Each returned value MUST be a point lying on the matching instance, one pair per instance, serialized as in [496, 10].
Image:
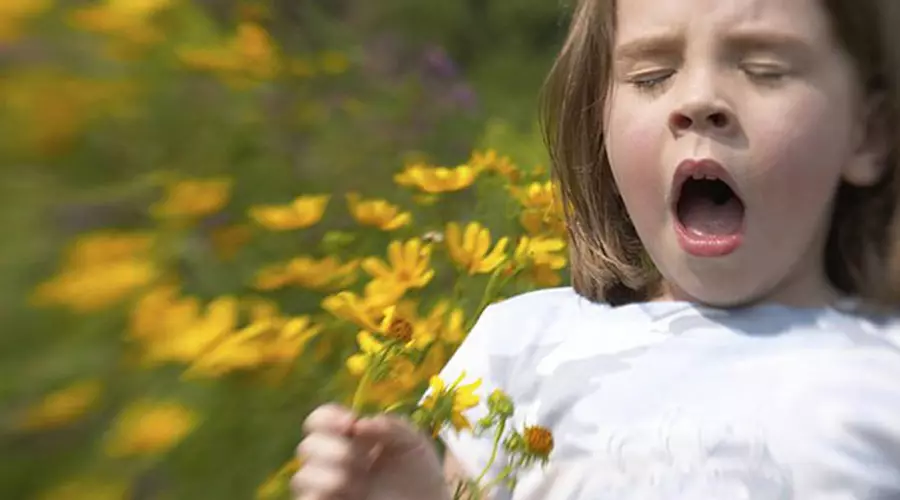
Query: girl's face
[729, 126]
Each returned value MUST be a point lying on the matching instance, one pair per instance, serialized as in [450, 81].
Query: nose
[702, 111]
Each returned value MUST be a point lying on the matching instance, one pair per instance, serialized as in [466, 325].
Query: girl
[730, 168]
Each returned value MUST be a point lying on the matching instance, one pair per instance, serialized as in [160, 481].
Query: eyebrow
[777, 41]
[662, 44]
[667, 44]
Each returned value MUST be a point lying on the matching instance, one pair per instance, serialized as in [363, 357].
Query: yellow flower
[91, 289]
[263, 342]
[89, 488]
[490, 161]
[404, 327]
[147, 428]
[369, 349]
[127, 19]
[471, 250]
[63, 406]
[99, 270]
[218, 321]
[366, 311]
[194, 198]
[377, 213]
[13, 13]
[160, 312]
[538, 441]
[303, 212]
[437, 179]
[541, 257]
[307, 272]
[409, 264]
[461, 399]
[249, 54]
[398, 383]
[101, 247]
[542, 208]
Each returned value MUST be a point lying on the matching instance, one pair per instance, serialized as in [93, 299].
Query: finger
[312, 481]
[387, 432]
[329, 419]
[335, 451]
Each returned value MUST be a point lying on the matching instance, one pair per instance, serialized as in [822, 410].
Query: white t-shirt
[674, 401]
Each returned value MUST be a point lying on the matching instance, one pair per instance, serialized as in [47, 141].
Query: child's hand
[380, 458]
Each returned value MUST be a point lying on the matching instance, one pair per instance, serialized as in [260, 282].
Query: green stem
[497, 438]
[360, 390]
[489, 291]
[497, 480]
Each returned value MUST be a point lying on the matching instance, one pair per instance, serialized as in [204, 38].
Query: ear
[872, 147]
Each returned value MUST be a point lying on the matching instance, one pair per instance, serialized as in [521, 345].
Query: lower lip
[707, 246]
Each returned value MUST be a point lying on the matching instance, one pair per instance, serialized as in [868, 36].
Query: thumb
[388, 432]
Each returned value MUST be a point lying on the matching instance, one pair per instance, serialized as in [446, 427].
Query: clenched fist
[379, 458]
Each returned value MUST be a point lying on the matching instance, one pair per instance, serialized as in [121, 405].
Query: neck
[802, 290]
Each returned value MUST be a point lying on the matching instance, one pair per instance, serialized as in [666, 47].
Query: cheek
[798, 154]
[633, 145]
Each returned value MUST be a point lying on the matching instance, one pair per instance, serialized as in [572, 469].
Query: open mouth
[710, 214]
[708, 207]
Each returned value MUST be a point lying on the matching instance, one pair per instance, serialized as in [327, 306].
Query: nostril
[718, 120]
[681, 122]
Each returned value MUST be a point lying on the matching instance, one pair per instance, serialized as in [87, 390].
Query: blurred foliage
[206, 201]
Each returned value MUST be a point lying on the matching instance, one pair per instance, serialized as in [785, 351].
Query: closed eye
[769, 73]
[650, 79]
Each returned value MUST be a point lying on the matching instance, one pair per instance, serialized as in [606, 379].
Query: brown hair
[609, 262]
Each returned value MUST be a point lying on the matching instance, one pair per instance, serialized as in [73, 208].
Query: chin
[716, 287]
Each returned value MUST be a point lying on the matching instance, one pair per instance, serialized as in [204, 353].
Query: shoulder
[539, 315]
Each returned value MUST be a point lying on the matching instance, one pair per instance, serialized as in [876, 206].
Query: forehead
[638, 18]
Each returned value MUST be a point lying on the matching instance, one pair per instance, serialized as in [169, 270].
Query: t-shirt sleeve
[472, 361]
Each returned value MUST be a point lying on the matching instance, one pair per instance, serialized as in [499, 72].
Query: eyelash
[651, 81]
[765, 75]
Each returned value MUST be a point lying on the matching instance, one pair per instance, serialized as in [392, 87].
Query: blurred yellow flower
[193, 197]
[303, 212]
[14, 13]
[307, 272]
[264, 342]
[102, 247]
[377, 213]
[462, 398]
[63, 406]
[398, 383]
[471, 249]
[367, 310]
[541, 257]
[89, 488]
[186, 345]
[369, 349]
[434, 180]
[250, 53]
[149, 428]
[161, 312]
[490, 161]
[93, 288]
[408, 266]
[130, 20]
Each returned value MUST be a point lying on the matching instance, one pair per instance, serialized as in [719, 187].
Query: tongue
[704, 217]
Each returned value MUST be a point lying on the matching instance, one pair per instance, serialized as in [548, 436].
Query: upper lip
[705, 167]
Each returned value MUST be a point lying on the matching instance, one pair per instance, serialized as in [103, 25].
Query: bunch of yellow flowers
[379, 326]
